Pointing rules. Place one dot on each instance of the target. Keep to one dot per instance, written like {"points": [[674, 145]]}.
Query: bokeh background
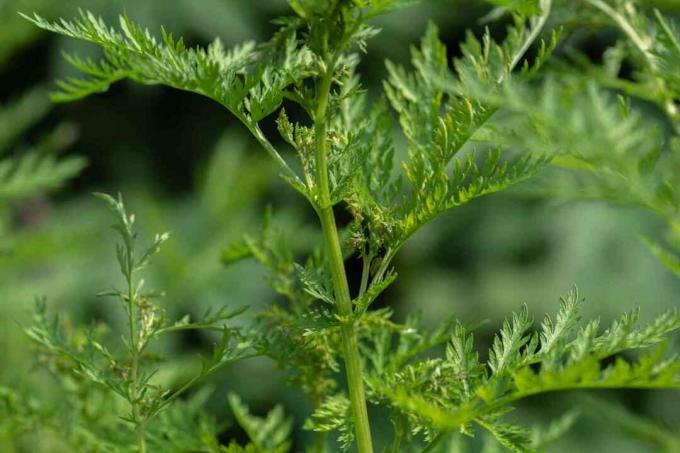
{"points": [[185, 166]]}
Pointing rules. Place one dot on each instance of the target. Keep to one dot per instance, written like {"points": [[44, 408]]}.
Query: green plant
{"points": [[29, 170], [126, 375], [524, 116]]}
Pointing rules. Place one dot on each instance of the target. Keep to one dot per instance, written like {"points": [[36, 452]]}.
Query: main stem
{"points": [[140, 425], [337, 268]]}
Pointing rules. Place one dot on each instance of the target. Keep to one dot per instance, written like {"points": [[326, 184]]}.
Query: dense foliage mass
{"points": [[521, 109]]}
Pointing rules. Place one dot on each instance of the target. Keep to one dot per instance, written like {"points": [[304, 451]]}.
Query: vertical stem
{"points": [[320, 442], [141, 441], [398, 433], [134, 351], [337, 270]]}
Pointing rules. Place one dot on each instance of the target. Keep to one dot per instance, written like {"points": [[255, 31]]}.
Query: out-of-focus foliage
{"points": [[29, 163], [27, 171]]}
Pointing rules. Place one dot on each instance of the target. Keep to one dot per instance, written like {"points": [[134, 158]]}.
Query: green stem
{"points": [[337, 269], [644, 45], [320, 442], [365, 274], [260, 137], [134, 351], [398, 433], [536, 29], [141, 441]]}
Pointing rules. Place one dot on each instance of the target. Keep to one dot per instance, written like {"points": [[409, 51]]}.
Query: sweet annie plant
{"points": [[498, 115]]}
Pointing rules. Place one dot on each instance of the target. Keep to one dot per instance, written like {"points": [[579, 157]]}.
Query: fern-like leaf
{"points": [[33, 172], [270, 434]]}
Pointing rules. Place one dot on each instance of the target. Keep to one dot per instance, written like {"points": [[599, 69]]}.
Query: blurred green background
{"points": [[185, 166]]}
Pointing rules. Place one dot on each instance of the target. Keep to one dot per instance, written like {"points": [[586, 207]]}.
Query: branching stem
{"points": [[639, 42], [140, 427], [536, 30], [365, 273], [337, 270], [644, 46]]}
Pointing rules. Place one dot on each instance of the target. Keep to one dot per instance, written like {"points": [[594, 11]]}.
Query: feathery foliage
{"points": [[27, 170], [269, 434], [457, 391], [586, 114], [482, 123], [125, 372]]}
